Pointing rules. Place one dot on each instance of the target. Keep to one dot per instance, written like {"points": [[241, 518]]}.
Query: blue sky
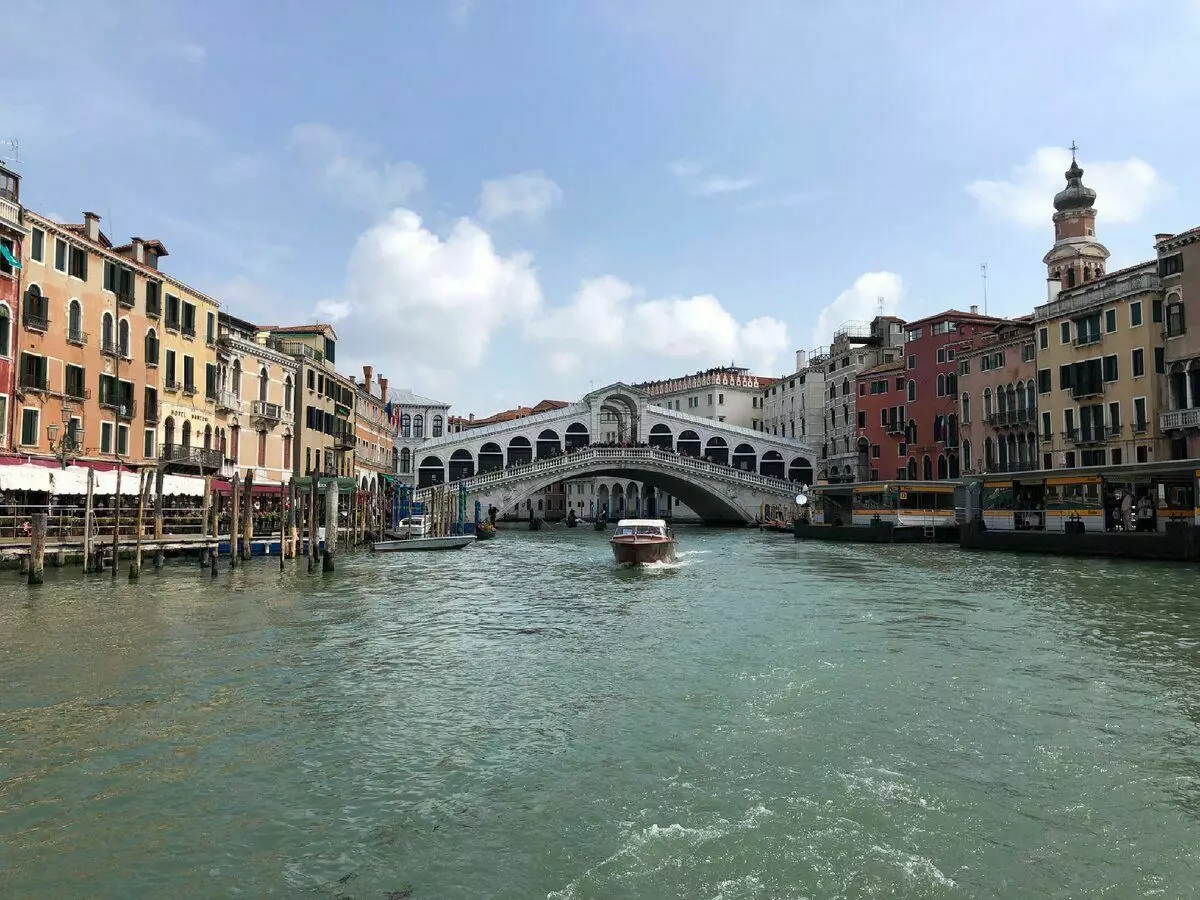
{"points": [[503, 201]]}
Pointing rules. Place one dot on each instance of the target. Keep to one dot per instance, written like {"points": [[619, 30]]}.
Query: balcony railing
{"points": [[36, 318], [125, 298], [297, 348], [153, 308], [1087, 389], [189, 388], [1177, 419], [228, 401], [108, 346], [171, 385], [344, 439], [125, 410], [77, 392], [1088, 340], [188, 331], [151, 414], [266, 413], [77, 337], [10, 211], [183, 456]]}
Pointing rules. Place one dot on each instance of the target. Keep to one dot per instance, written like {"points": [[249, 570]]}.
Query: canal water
{"points": [[523, 720]]}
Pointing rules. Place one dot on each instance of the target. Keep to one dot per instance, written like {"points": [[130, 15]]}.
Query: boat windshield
{"points": [[640, 531]]}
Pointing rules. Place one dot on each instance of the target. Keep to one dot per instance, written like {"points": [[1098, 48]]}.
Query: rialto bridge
{"points": [[722, 472]]}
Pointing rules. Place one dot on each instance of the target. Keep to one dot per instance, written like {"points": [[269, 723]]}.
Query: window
{"points": [[169, 375], [60, 255], [912, 391], [3, 420], [75, 382], [1027, 352], [1110, 368], [1175, 323], [1139, 415], [1156, 310], [77, 263], [106, 437], [1047, 429], [287, 396], [1087, 330], [900, 382], [37, 309], [37, 245], [1135, 314], [123, 338], [1043, 338], [262, 449], [1139, 362], [437, 426], [188, 324], [148, 444], [153, 299], [122, 440], [913, 334], [5, 331], [941, 385], [34, 373], [1064, 332], [1170, 265], [29, 426], [966, 408], [912, 360], [172, 312], [964, 367], [210, 331], [1160, 366], [720, 399], [941, 354], [1043, 381], [189, 375], [950, 354], [874, 451], [1114, 416], [210, 381], [862, 419], [1110, 320]]}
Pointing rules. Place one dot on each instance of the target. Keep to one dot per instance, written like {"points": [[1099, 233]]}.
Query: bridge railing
{"points": [[574, 411], [581, 459], [759, 437]]}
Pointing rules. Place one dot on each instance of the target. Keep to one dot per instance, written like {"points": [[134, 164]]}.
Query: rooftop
{"points": [[896, 365]]}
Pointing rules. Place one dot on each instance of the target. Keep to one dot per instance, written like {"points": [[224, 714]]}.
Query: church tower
{"points": [[1076, 257]]}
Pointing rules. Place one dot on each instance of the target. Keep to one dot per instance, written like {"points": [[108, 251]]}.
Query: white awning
{"points": [[25, 477], [73, 480]]}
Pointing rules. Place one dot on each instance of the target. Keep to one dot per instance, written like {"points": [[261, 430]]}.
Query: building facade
{"points": [[794, 406], [1178, 258], [998, 400], [725, 394], [882, 419], [87, 363], [13, 250], [375, 433], [419, 419], [255, 398]]}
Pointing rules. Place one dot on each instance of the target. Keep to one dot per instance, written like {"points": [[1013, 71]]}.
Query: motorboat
{"points": [[485, 531], [640, 541], [406, 545], [408, 528]]}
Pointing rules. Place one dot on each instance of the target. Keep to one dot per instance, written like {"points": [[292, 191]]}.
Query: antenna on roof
{"points": [[881, 305], [14, 152], [983, 275]]}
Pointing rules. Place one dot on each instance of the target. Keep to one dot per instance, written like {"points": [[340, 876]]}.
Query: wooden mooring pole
{"points": [[312, 522], [331, 525], [205, 551], [247, 515], [135, 567], [159, 556], [234, 515], [87, 521], [37, 547]]}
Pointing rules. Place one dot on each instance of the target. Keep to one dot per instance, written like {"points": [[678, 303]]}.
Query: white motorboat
{"points": [[445, 542]]}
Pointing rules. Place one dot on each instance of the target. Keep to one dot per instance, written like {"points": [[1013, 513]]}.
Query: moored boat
{"points": [[445, 542], [485, 531], [640, 541]]}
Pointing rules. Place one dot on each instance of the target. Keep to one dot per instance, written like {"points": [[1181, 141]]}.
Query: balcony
{"points": [[125, 298], [1087, 389], [153, 308], [126, 410], [189, 388], [33, 381], [181, 456], [265, 415], [188, 331], [36, 317], [77, 393], [170, 385], [151, 414], [1179, 419], [77, 337], [297, 349], [108, 346], [894, 428], [344, 439], [10, 212], [228, 401], [1088, 340]]}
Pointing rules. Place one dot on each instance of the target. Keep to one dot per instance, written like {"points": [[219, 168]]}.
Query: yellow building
{"points": [[255, 398]]}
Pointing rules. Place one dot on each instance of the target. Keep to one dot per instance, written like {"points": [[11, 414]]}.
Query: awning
{"points": [[9, 258], [24, 478]]}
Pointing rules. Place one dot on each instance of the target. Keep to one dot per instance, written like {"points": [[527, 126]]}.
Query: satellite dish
{"points": [[801, 500]]}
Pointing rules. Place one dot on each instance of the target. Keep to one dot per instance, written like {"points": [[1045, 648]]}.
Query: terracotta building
{"points": [[881, 411], [997, 402], [12, 248], [375, 433]]}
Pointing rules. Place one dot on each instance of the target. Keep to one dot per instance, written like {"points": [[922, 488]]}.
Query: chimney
{"points": [[139, 250], [471, 417], [800, 358], [367, 373], [1053, 288], [382, 389], [1159, 238], [974, 309], [91, 226]]}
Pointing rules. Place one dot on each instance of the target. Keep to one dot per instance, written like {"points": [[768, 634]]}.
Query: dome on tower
{"points": [[1074, 195]]}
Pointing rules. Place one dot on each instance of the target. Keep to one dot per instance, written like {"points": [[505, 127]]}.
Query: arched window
{"points": [[987, 403], [405, 460], [208, 435], [186, 433], [966, 408], [169, 431], [237, 379], [287, 394], [1030, 396], [75, 323], [832, 391], [123, 338], [952, 430], [952, 384], [927, 469], [912, 391], [5, 330], [264, 381], [106, 334], [406, 425], [437, 426], [1071, 277], [966, 453], [418, 426], [845, 386], [151, 348], [989, 455]]}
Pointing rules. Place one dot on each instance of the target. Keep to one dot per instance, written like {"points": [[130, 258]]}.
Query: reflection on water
{"points": [[524, 719]]}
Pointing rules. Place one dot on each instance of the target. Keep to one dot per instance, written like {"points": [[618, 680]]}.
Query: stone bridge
{"points": [[699, 460]]}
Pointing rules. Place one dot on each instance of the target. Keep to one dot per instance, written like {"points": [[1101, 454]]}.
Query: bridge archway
{"points": [[431, 471], [462, 465], [577, 436], [745, 458], [801, 470], [649, 501], [491, 457], [602, 500], [633, 497], [660, 436], [689, 443], [717, 450], [772, 464], [624, 408], [548, 444], [520, 451]]}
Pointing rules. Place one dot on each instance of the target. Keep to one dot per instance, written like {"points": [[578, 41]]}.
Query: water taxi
{"points": [[640, 541]]}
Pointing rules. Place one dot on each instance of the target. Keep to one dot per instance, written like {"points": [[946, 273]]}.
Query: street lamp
{"points": [[62, 448]]}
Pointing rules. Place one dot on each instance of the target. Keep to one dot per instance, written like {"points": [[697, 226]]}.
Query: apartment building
{"points": [[726, 394], [254, 395], [421, 418], [998, 400], [794, 406], [1178, 258], [86, 345], [12, 249], [882, 419], [375, 433]]}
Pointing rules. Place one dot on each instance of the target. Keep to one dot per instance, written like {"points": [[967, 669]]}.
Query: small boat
{"points": [[411, 527], [446, 542], [640, 541], [485, 532], [600, 524], [572, 522]]}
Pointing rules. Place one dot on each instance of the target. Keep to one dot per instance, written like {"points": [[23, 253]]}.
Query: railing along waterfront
{"points": [[580, 459]]}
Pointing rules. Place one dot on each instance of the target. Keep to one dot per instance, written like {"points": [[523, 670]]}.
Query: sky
{"points": [[500, 201]]}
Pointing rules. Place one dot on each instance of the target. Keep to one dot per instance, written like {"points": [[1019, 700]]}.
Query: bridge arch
{"points": [[462, 464], [801, 470], [520, 451], [491, 458], [577, 436], [431, 471], [689, 443], [602, 500], [717, 450], [745, 458], [772, 464], [660, 436], [624, 407], [548, 444]]}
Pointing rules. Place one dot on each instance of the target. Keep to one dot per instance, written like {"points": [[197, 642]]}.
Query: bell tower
{"points": [[1076, 257]]}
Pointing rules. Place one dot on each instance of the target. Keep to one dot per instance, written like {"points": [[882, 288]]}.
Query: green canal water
{"points": [[524, 720]]}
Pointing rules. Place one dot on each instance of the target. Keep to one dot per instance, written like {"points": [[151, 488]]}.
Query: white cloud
{"points": [[691, 175], [527, 195], [859, 303], [609, 316], [427, 303], [349, 169], [1124, 188]]}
